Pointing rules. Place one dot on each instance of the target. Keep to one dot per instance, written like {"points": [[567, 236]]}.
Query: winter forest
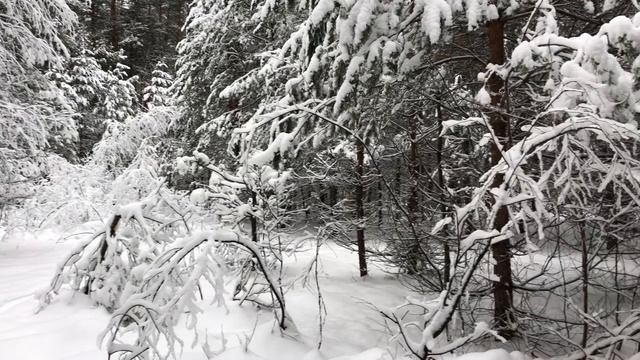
{"points": [[319, 179]]}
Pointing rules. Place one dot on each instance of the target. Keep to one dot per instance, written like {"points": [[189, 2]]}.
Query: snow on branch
{"points": [[435, 315], [121, 142], [170, 288], [106, 264]]}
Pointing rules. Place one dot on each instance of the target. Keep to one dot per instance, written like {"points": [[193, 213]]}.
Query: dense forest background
{"points": [[484, 153]]}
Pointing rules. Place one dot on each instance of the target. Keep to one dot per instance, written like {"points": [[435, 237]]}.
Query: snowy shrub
{"points": [[71, 195], [172, 286], [251, 203], [150, 265], [109, 264], [139, 179], [121, 142]]}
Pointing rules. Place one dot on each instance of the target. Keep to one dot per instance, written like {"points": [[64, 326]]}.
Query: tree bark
{"points": [[503, 287], [115, 33], [362, 260], [332, 195], [412, 203], [94, 20], [585, 283], [398, 185], [253, 221], [443, 208], [380, 203], [177, 19], [104, 246]]}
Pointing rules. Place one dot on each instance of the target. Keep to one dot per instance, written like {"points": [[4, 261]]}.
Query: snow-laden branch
{"points": [[170, 287], [103, 264]]}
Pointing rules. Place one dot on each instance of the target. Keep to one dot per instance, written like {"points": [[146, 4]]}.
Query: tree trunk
{"points": [[362, 260], [104, 246], [443, 208], [380, 203], [94, 20], [398, 185], [503, 287], [114, 36], [177, 19], [412, 204], [252, 219], [585, 283], [332, 194]]}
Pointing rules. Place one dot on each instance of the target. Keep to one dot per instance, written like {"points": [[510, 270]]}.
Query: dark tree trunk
{"points": [[115, 33], [253, 220], [398, 185], [303, 201], [443, 208], [332, 194], [380, 203], [104, 246], [322, 195], [177, 19], [503, 287], [95, 16], [412, 204], [362, 260], [585, 283]]}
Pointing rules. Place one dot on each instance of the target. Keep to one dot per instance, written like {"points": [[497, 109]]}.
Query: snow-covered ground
{"points": [[68, 328]]}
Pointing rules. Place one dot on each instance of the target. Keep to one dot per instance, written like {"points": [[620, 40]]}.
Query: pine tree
{"points": [[364, 44], [98, 96], [145, 30], [158, 93], [34, 118]]}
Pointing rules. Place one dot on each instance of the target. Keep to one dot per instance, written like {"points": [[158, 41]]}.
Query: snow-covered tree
{"points": [[98, 96], [34, 116], [223, 42], [365, 44], [467, 134], [158, 94], [122, 141]]}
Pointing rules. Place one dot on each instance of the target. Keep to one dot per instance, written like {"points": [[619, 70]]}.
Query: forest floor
{"points": [[68, 329]]}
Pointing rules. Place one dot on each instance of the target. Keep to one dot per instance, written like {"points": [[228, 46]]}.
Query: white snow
{"points": [[497, 354], [477, 235], [483, 97], [198, 196], [68, 328], [347, 85]]}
